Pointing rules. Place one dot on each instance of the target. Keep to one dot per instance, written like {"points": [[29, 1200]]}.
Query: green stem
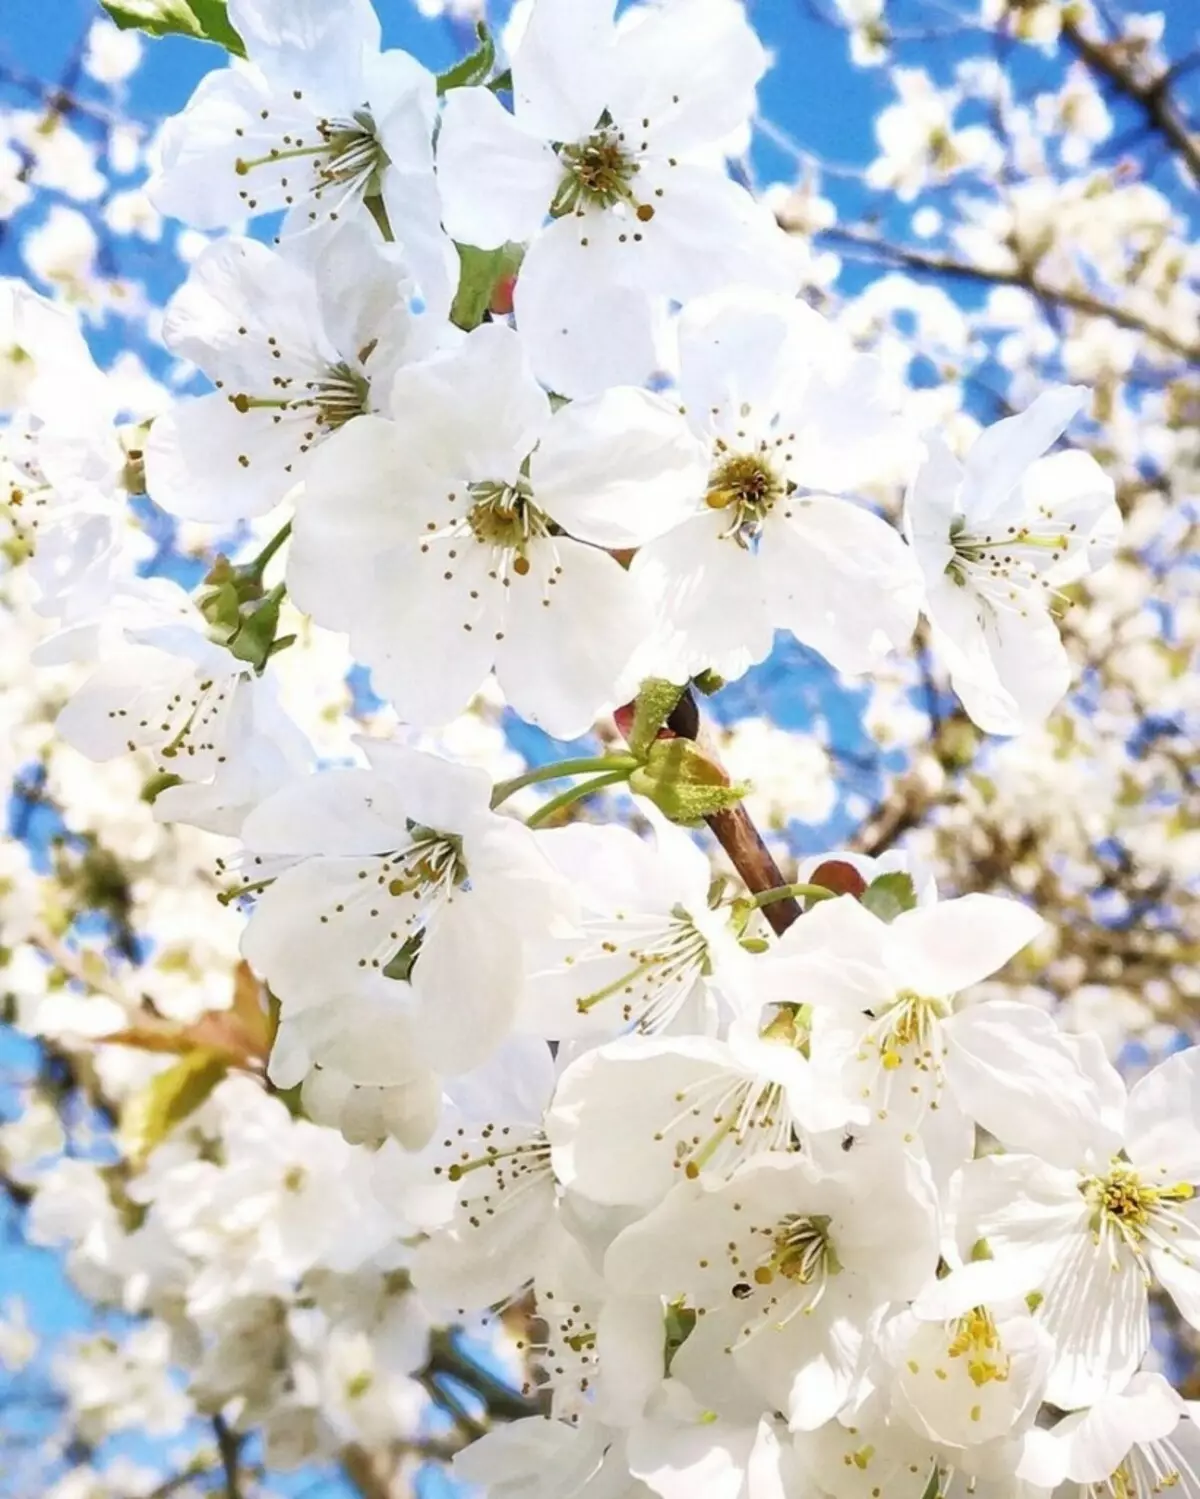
{"points": [[559, 770], [789, 892], [259, 565], [575, 793], [375, 207]]}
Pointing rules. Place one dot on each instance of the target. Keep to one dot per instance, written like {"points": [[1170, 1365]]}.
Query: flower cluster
{"points": [[784, 1204]]}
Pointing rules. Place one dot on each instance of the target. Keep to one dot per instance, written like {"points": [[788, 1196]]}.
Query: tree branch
{"points": [[734, 830], [229, 1445], [1152, 96], [907, 257]]}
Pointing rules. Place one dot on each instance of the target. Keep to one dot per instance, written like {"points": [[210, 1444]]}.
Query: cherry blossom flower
{"points": [[401, 866], [496, 553], [649, 954], [610, 165], [786, 416], [790, 1266], [996, 536], [319, 123], [298, 345], [1088, 1239]]}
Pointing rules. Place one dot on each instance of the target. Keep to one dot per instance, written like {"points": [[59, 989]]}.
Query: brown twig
{"points": [[1152, 95], [910, 258], [734, 830]]}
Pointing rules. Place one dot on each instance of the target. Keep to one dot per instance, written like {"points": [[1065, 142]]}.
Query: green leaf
{"points": [[167, 1100], [480, 273], [655, 700], [683, 783], [890, 895], [254, 640], [473, 68], [207, 20]]}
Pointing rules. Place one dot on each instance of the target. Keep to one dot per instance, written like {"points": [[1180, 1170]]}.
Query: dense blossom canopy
{"points": [[596, 799]]}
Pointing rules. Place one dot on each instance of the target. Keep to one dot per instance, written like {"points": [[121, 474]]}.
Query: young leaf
{"points": [[683, 783], [149, 1116], [481, 272], [475, 67], [656, 697], [890, 895], [207, 20]]}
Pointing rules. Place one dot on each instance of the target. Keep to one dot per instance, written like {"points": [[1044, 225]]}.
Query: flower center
{"points": [[1123, 1204], [660, 977], [597, 174], [909, 1028], [977, 1340], [803, 1252], [348, 154], [1011, 561], [504, 516], [747, 488], [340, 396]]}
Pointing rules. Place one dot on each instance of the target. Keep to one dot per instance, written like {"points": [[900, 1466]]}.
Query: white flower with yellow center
{"points": [[474, 530], [786, 1268], [969, 1380], [632, 1118], [400, 871], [916, 1052], [297, 344], [318, 123], [611, 167], [1140, 1443], [1087, 1241], [998, 536], [787, 418], [650, 954]]}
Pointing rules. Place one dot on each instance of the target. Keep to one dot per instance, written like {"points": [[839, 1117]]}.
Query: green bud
{"points": [[683, 783], [655, 700]]}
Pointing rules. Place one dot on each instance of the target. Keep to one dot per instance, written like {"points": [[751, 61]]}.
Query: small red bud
{"points": [[502, 296], [840, 877]]}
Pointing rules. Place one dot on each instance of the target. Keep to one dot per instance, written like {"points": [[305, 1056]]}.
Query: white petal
{"points": [[841, 579], [679, 1460], [708, 596], [691, 69], [1073, 490], [619, 469], [334, 812], [573, 624], [496, 179], [1163, 1118], [208, 461], [1006, 660], [582, 345], [430, 640], [616, 1125], [1178, 1265], [468, 981], [1013, 1074], [1100, 1322], [199, 180], [475, 411], [1096, 1442], [732, 344], [940, 950], [930, 505], [1002, 452], [306, 38], [238, 295], [707, 233], [562, 68]]}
